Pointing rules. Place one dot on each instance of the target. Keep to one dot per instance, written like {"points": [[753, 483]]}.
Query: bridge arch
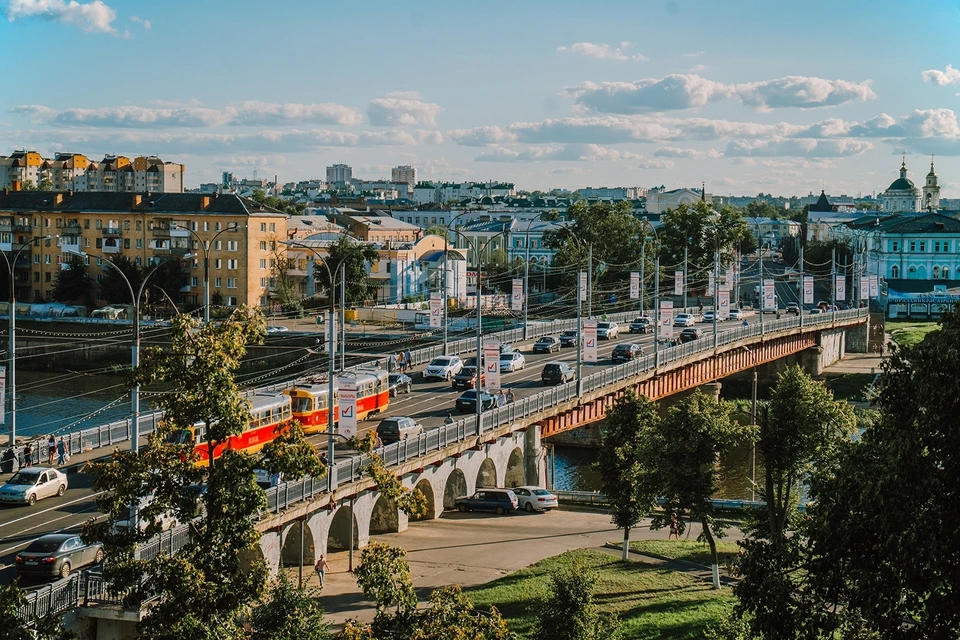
{"points": [[267, 552], [455, 487], [338, 536], [385, 516], [487, 474], [515, 475], [290, 551], [426, 488]]}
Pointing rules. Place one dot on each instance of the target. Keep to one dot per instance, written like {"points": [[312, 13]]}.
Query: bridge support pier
{"points": [[534, 460], [858, 338]]}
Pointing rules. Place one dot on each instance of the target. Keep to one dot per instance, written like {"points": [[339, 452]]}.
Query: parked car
{"points": [[500, 501], [444, 368], [569, 338], [467, 378], [690, 334], [736, 314], [467, 402], [607, 330], [626, 351], [557, 373], [641, 325], [513, 361], [794, 308], [535, 499], [684, 320], [546, 344], [32, 484], [392, 430], [400, 383], [56, 555]]}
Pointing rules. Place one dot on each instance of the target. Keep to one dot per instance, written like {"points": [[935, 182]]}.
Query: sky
{"points": [[746, 96]]}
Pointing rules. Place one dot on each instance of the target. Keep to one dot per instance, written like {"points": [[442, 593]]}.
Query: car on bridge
{"points": [[557, 373], [500, 501], [546, 344], [708, 316], [607, 330], [569, 338], [392, 430], [33, 483], [690, 334], [399, 383], [794, 308], [443, 368], [467, 378], [736, 314], [684, 320], [513, 361], [532, 499], [467, 402], [641, 325], [56, 555], [626, 351]]}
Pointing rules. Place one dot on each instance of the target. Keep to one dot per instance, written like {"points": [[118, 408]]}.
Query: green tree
{"points": [[568, 612], [113, 287], [45, 184], [260, 197], [170, 276], [73, 282], [681, 455], [700, 231], [357, 257], [287, 613], [284, 284], [622, 475]]}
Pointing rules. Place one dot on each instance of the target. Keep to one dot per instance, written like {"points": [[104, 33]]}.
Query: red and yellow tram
{"points": [[309, 401]]}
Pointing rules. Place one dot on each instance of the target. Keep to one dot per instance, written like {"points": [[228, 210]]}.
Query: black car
{"points": [[569, 338], [467, 402], [500, 501], [56, 555], [557, 373], [467, 378], [690, 334], [626, 351], [546, 344], [641, 325], [400, 383]]}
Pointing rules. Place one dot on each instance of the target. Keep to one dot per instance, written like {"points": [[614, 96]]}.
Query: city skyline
{"points": [[612, 93]]}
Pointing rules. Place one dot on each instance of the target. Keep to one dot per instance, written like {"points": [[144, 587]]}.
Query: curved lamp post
{"points": [[206, 260], [11, 334]]}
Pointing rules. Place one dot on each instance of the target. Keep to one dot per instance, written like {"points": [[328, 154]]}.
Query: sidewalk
{"points": [[76, 463], [858, 362]]}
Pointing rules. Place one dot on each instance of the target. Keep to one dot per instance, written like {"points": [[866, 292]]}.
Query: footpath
{"points": [[472, 549]]}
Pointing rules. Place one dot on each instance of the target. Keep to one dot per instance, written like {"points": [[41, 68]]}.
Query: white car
{"points": [[607, 330], [514, 361], [535, 499], [444, 368], [736, 314], [684, 320], [32, 484]]}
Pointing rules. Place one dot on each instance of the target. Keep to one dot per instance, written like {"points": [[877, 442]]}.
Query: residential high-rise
{"points": [[339, 174], [404, 173], [75, 172]]}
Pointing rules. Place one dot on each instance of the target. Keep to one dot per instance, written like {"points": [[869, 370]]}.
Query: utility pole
{"points": [[590, 280]]}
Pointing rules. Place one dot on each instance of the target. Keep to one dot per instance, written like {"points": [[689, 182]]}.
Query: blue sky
{"points": [[744, 95]]}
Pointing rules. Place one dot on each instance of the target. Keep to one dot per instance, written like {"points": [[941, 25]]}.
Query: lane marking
{"points": [[59, 506]]}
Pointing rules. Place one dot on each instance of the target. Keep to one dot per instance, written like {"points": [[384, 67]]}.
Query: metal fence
{"points": [[60, 596]]}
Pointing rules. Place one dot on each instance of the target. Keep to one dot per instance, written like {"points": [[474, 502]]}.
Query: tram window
{"points": [[180, 436], [302, 405]]}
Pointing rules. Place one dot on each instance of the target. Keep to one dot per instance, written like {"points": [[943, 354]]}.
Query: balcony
{"points": [[70, 230], [112, 232], [22, 228], [160, 233], [111, 248]]}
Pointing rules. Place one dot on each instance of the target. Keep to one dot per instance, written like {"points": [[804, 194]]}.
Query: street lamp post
{"points": [[446, 251], [11, 336], [206, 261], [526, 275]]}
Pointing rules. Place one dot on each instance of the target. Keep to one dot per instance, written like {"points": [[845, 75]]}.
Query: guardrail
{"points": [[59, 596]]}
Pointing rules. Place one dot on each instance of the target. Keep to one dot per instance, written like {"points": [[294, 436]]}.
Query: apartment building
{"points": [[41, 229], [75, 171]]}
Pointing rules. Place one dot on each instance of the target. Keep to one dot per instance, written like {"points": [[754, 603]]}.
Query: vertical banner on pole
{"points": [[491, 365], [516, 300], [723, 303], [590, 341], [874, 287], [634, 285], [864, 288], [678, 283], [711, 283], [841, 285], [666, 319], [728, 277], [807, 289], [3, 394], [583, 286], [347, 407], [769, 295], [436, 311]]}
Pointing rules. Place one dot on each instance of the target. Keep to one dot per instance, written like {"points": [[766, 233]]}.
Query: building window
{"points": [[923, 246], [231, 245], [139, 243], [206, 225], [263, 245], [232, 265], [193, 281], [46, 277], [273, 226], [945, 274], [126, 225], [263, 263], [263, 282], [217, 227], [218, 264], [231, 283], [139, 225], [936, 248], [216, 282], [263, 226], [936, 273], [894, 271], [126, 244]]}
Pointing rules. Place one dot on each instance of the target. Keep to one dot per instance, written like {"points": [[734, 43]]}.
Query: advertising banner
{"points": [[678, 283], [516, 300], [840, 282], [634, 285], [723, 303], [807, 289], [590, 341], [347, 407], [874, 287], [491, 365], [864, 288], [436, 311], [583, 285], [710, 283], [728, 277], [769, 295], [666, 319]]}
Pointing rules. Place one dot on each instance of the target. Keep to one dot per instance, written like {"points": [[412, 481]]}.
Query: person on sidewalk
{"points": [[321, 569], [674, 528], [448, 419], [27, 455], [509, 396], [51, 449], [61, 452]]}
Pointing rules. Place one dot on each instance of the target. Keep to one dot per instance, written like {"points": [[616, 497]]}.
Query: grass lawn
{"points": [[849, 386], [689, 550], [907, 333], [651, 602]]}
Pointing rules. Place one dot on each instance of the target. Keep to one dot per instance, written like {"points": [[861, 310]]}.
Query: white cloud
{"points": [[942, 78], [674, 152], [921, 123], [90, 16], [569, 170], [604, 51], [602, 130], [245, 113], [402, 108], [564, 153], [673, 92], [650, 163], [146, 23], [802, 92], [799, 147], [481, 136]]}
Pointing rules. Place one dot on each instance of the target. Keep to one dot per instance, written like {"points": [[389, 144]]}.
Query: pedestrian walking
{"points": [[674, 528], [408, 358], [509, 396], [62, 453], [400, 363], [51, 449], [501, 399], [27, 455], [321, 569]]}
